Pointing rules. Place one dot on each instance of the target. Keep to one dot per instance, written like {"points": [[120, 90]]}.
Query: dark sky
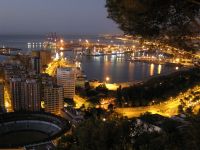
{"points": [[62, 16]]}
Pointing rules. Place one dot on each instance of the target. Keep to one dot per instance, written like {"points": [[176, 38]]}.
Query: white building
{"points": [[66, 77]]}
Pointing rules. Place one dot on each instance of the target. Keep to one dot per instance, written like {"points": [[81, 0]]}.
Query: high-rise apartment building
{"points": [[25, 94], [44, 56], [35, 64], [53, 99], [32, 95], [2, 106], [17, 94], [66, 77]]}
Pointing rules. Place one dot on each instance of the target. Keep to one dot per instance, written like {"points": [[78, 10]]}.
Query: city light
{"points": [[61, 54], [151, 70], [168, 108], [107, 79], [159, 69], [61, 41], [135, 88], [57, 56]]}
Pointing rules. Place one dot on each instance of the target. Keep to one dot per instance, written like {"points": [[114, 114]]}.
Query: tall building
{"points": [[17, 94], [35, 53], [66, 77], [35, 63], [44, 56], [32, 95], [2, 106], [45, 81], [53, 99], [25, 94]]}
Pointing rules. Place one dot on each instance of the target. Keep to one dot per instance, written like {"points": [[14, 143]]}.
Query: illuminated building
{"points": [[35, 63], [16, 92], [1, 95], [32, 95], [53, 99], [45, 80], [25, 94], [44, 56], [66, 77], [35, 53]]}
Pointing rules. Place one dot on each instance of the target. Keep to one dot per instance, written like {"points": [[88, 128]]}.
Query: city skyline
{"points": [[99, 74], [39, 17]]}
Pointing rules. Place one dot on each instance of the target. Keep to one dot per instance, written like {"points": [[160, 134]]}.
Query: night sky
{"points": [[62, 16]]}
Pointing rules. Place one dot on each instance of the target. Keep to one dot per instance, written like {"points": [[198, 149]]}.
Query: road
{"points": [[52, 67], [168, 108], [7, 100], [80, 101]]}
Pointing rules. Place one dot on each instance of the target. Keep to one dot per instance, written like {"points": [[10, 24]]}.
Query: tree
{"points": [[180, 109], [69, 101], [101, 135], [102, 89], [110, 107], [119, 96], [87, 86], [155, 17]]}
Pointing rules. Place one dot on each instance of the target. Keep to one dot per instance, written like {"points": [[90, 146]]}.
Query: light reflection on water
{"points": [[151, 70], [159, 69], [119, 69]]}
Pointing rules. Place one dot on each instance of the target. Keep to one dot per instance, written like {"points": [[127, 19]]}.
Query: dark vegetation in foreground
{"points": [[158, 89], [106, 130], [155, 90], [169, 21], [149, 132]]}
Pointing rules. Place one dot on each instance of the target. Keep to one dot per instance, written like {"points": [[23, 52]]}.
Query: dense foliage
{"points": [[155, 17], [159, 88], [94, 95], [124, 134]]}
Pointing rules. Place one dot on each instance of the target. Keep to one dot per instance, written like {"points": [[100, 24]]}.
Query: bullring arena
{"points": [[21, 129]]}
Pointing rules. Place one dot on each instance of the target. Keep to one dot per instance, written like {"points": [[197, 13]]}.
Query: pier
{"points": [[7, 51]]}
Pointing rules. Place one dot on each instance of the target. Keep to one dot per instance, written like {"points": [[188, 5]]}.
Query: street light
{"points": [[61, 41], [107, 79]]}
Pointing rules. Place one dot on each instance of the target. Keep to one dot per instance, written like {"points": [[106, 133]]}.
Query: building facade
{"points": [[2, 106], [44, 56], [17, 94], [25, 94], [35, 64], [32, 95], [66, 77], [53, 99]]}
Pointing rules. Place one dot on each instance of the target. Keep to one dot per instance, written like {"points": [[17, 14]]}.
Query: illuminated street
{"points": [[100, 75], [79, 101], [52, 67], [168, 108], [7, 100]]}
